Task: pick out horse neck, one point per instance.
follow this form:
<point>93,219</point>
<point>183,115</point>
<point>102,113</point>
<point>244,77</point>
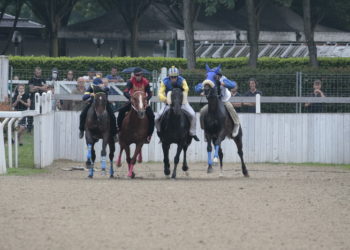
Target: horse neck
<point>213,105</point>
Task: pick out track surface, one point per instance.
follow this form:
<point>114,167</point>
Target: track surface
<point>278,207</point>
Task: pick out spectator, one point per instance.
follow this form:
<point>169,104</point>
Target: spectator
<point>54,75</point>
<point>20,102</point>
<point>234,92</point>
<point>114,77</point>
<point>70,76</point>
<point>37,84</point>
<point>80,90</point>
<point>91,75</point>
<point>316,107</point>
<point>253,91</point>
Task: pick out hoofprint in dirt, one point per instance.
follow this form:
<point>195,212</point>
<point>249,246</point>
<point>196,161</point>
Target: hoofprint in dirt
<point>278,207</point>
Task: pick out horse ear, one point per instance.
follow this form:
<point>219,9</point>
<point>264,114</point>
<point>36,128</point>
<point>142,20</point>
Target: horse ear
<point>217,69</point>
<point>207,67</point>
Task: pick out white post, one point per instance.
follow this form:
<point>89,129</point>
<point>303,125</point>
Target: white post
<point>4,77</point>
<point>2,147</point>
<point>16,144</point>
<point>258,104</point>
<point>9,140</point>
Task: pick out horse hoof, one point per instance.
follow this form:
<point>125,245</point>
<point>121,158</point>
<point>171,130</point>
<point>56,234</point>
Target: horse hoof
<point>139,160</point>
<point>185,168</point>
<point>221,175</point>
<point>132,175</point>
<point>119,165</point>
<point>90,176</point>
<point>173,176</point>
<point>215,161</point>
<point>246,174</point>
<point>111,176</point>
<point>210,170</point>
<point>103,172</point>
<point>167,171</point>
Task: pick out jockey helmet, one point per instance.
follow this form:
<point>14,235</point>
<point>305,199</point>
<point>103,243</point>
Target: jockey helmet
<point>173,71</point>
<point>97,81</point>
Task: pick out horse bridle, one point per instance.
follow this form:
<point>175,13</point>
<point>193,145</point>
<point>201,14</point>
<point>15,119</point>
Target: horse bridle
<point>95,100</point>
<point>133,96</point>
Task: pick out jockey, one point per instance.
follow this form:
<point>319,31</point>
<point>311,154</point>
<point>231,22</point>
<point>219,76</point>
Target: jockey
<point>223,84</point>
<point>88,96</point>
<point>168,83</point>
<point>137,83</point>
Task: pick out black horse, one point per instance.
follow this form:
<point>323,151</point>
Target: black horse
<point>97,126</point>
<point>175,128</point>
<point>218,126</point>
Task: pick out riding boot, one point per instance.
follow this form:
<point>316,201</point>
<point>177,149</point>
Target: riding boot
<point>150,116</point>
<point>203,111</point>
<point>233,114</point>
<point>83,119</point>
<point>121,115</point>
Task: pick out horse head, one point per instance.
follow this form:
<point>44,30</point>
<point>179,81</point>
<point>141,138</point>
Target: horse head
<point>139,103</point>
<point>100,104</point>
<point>176,100</point>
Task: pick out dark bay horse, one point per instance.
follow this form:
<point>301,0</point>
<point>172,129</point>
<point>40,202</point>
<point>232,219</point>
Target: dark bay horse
<point>97,126</point>
<point>217,126</point>
<point>134,130</point>
<point>175,128</point>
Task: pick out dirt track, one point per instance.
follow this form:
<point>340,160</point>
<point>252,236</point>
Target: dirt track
<point>278,207</point>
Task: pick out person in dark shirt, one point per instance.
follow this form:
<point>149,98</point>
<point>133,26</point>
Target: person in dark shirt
<point>250,107</point>
<point>37,84</point>
<point>316,107</point>
<point>21,102</point>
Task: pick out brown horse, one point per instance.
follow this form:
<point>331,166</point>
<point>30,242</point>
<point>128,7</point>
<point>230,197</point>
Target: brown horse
<point>134,130</point>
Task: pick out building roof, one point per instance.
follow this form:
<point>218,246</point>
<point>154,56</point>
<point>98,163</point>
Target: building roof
<point>22,23</point>
<point>277,24</point>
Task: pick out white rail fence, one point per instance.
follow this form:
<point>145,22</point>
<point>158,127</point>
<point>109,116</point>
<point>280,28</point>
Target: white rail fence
<point>43,133</point>
<point>276,138</point>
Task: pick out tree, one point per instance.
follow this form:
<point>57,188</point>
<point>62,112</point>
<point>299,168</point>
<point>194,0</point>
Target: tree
<point>309,30</point>
<point>254,8</point>
<point>54,14</point>
<point>18,6</point>
<point>131,11</point>
<point>188,17</point>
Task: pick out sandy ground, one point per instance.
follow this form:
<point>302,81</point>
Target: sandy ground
<point>278,207</point>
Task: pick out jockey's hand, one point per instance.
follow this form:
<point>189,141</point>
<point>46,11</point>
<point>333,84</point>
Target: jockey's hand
<point>92,94</point>
<point>222,84</point>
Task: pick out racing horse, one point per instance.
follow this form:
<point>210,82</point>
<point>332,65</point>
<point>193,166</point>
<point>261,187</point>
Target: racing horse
<point>97,126</point>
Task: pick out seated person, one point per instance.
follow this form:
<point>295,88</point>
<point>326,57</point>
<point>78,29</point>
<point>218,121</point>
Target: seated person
<point>137,83</point>
<point>88,96</point>
<point>175,80</point>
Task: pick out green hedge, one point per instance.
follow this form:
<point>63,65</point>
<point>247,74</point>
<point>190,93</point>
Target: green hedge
<point>151,63</point>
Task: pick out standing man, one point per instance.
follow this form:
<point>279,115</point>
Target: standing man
<point>37,84</point>
<point>114,77</point>
<point>253,91</point>
<point>316,107</point>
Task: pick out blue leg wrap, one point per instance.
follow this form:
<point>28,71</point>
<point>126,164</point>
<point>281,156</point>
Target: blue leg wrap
<point>103,162</point>
<point>89,152</point>
<point>216,154</point>
<point>210,162</point>
<point>91,171</point>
